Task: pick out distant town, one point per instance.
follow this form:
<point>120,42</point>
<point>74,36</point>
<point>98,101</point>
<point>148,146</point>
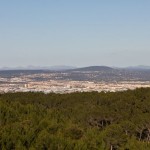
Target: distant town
<point>76,80</point>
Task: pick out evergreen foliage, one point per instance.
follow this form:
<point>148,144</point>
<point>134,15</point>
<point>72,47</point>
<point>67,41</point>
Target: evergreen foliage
<point>76,121</point>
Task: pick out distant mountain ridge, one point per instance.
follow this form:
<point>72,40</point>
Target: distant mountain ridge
<point>91,73</point>
<point>140,67</point>
<point>51,68</point>
<point>93,68</point>
<point>72,68</point>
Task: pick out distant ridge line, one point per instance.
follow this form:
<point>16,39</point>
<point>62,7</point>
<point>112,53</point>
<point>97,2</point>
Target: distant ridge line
<point>72,68</point>
<point>93,68</point>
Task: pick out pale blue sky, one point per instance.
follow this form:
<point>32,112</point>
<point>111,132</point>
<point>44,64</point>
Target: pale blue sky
<point>74,32</point>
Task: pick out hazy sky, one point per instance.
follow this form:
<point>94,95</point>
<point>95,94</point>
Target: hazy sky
<point>74,32</point>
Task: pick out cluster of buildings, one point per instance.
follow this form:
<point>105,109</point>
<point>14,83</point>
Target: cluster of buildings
<point>33,84</point>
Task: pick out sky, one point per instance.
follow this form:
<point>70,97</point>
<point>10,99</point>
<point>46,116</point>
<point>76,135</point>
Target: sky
<point>74,32</point>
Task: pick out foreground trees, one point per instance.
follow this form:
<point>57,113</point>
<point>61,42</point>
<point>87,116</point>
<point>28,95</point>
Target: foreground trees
<point>78,121</point>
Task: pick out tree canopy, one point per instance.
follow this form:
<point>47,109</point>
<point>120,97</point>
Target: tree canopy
<point>76,121</point>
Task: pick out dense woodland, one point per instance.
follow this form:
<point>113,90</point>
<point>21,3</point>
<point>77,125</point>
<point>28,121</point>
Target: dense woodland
<point>77,121</point>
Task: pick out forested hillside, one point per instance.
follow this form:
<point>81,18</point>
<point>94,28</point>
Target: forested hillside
<point>77,121</point>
